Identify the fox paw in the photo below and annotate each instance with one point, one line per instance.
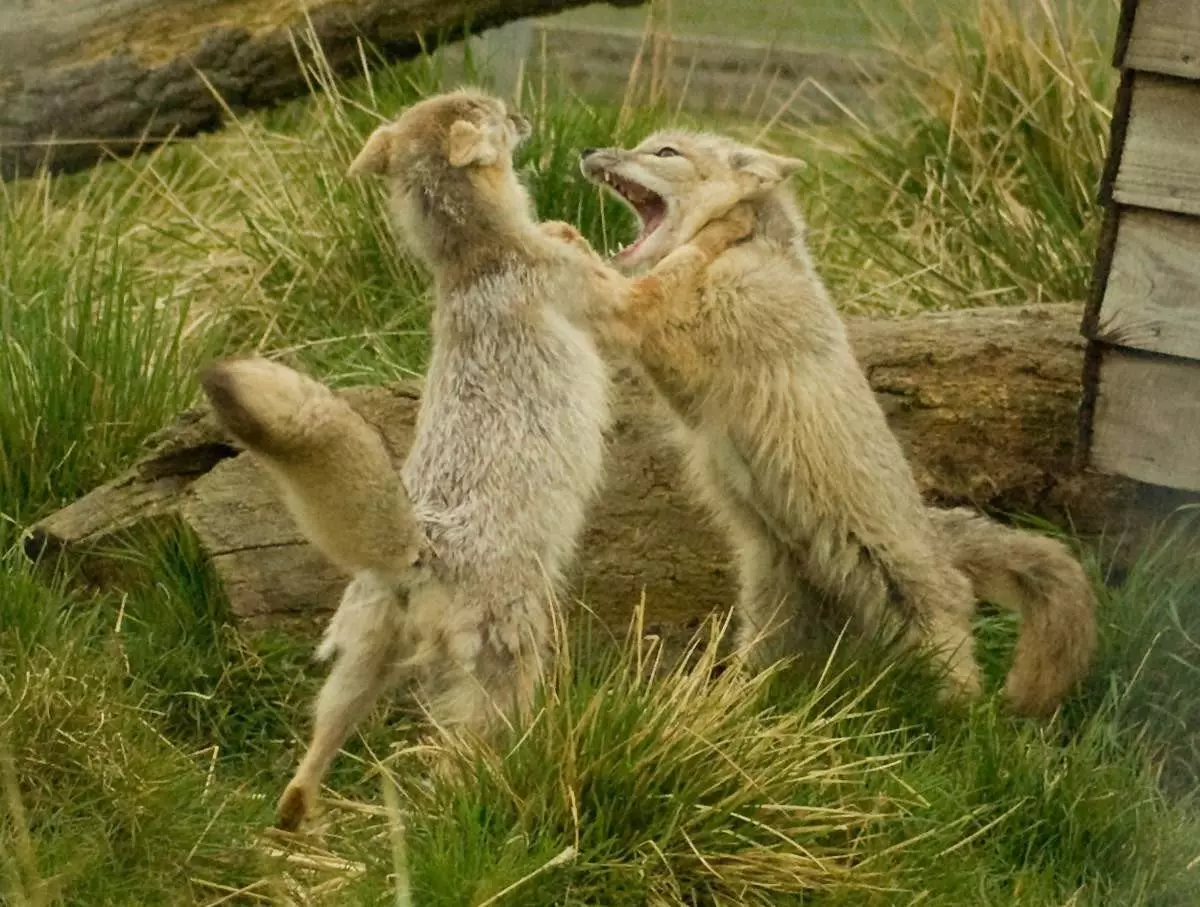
(718, 235)
(294, 807)
(739, 222)
(264, 405)
(564, 232)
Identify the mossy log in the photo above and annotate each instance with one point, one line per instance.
(83, 78)
(985, 402)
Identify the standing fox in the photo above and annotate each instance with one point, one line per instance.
(455, 563)
(788, 446)
(454, 568)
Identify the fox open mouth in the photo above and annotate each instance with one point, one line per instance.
(649, 207)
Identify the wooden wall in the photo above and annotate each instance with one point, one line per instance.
(1141, 408)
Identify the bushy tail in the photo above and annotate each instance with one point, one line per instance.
(335, 473)
(1038, 578)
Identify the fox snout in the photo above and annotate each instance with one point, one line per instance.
(593, 160)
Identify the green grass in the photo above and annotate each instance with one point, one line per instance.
(143, 739)
(977, 183)
(149, 741)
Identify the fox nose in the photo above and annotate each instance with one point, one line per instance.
(587, 152)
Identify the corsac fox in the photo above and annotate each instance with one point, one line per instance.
(786, 443)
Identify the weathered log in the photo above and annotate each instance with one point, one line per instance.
(984, 401)
(79, 78)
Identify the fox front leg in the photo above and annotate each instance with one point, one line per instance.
(598, 292)
(669, 294)
(565, 232)
(607, 288)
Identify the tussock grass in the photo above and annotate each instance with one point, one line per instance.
(663, 785)
(97, 351)
(1157, 652)
(977, 181)
(143, 740)
(150, 742)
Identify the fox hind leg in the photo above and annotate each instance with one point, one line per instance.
(943, 628)
(367, 642)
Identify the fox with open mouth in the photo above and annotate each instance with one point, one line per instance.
(787, 445)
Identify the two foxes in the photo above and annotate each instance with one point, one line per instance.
(456, 563)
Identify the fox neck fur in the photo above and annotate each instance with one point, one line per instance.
(465, 223)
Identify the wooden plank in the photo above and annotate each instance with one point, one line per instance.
(1147, 421)
(1116, 137)
(1152, 294)
(1124, 28)
(1160, 163)
(1165, 38)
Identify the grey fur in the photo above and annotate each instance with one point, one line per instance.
(507, 456)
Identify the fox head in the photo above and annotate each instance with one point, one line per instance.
(460, 129)
(678, 181)
(448, 160)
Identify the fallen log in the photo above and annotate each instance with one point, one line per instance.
(984, 402)
(83, 78)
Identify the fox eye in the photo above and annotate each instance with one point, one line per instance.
(667, 151)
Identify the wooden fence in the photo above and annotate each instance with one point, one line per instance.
(1141, 410)
(708, 75)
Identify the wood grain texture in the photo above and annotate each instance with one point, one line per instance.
(1160, 162)
(1147, 422)
(1152, 294)
(983, 401)
(1165, 38)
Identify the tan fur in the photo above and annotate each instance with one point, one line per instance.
(785, 442)
(455, 570)
(339, 484)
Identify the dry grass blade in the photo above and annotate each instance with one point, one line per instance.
(976, 182)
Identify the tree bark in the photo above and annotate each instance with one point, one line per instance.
(984, 402)
(83, 78)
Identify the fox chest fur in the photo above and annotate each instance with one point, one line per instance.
(512, 373)
(777, 400)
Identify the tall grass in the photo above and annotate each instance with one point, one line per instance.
(98, 352)
(136, 721)
(978, 181)
(149, 744)
(143, 738)
(306, 261)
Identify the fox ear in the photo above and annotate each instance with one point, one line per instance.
(468, 144)
(762, 169)
(373, 159)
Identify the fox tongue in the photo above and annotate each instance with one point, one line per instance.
(650, 223)
(650, 210)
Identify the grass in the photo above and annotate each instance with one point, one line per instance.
(149, 742)
(143, 739)
(979, 184)
(821, 24)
